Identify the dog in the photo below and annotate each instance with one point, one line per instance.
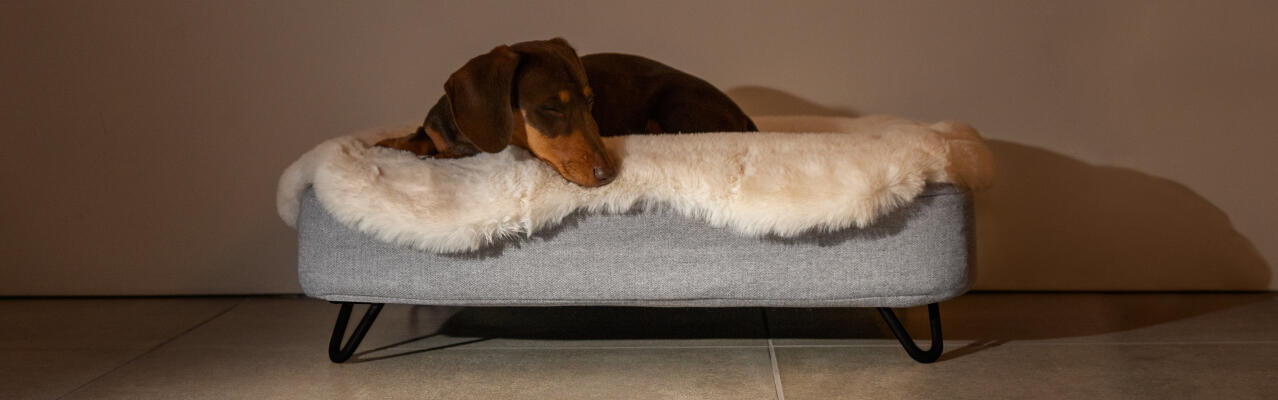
(539, 95)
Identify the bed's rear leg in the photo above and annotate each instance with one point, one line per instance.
(338, 352)
(920, 355)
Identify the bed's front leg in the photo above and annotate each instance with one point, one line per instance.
(338, 352)
(920, 355)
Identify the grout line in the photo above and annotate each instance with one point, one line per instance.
(608, 347)
(788, 346)
(771, 345)
(500, 348)
(776, 372)
(1183, 343)
(762, 346)
(772, 354)
(154, 348)
(1024, 343)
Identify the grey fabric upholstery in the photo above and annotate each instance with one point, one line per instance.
(914, 256)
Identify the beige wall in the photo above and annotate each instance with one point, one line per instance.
(142, 140)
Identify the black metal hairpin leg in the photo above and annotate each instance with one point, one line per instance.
(920, 355)
(336, 351)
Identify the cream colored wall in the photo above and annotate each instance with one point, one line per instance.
(142, 140)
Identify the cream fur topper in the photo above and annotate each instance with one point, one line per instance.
(798, 174)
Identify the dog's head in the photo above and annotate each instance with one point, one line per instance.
(534, 95)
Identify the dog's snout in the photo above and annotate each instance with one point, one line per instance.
(604, 174)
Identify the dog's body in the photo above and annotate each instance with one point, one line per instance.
(541, 96)
(636, 95)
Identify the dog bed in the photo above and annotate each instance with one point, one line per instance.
(809, 212)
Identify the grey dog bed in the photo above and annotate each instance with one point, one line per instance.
(919, 254)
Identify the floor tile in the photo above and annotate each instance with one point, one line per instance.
(218, 373)
(1065, 371)
(49, 374)
(296, 323)
(49, 347)
(133, 323)
(1053, 345)
(306, 324)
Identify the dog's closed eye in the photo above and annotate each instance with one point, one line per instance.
(553, 110)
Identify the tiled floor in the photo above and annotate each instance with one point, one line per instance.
(998, 345)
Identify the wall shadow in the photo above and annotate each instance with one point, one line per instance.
(759, 100)
(1052, 222)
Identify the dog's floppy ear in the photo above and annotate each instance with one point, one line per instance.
(479, 94)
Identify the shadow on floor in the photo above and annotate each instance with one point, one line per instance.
(982, 317)
(985, 319)
(587, 323)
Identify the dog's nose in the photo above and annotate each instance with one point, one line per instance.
(604, 175)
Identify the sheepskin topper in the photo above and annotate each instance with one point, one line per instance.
(798, 174)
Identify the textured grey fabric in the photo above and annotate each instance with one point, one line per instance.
(916, 255)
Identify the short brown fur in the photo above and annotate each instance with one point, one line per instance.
(526, 94)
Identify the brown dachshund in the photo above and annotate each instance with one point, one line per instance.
(540, 96)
